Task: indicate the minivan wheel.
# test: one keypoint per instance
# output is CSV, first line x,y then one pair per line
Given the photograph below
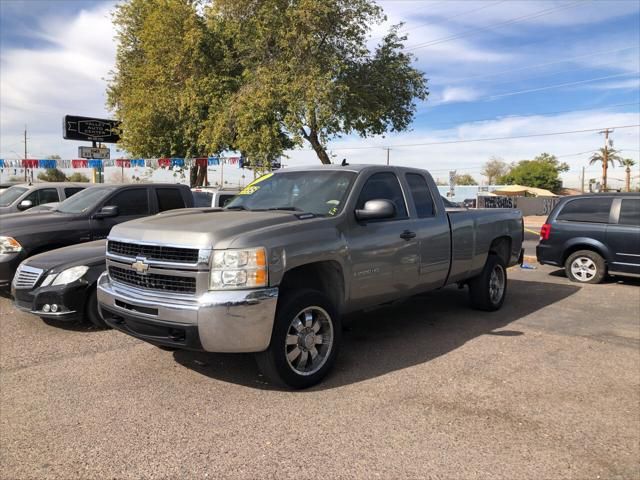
x,y
488,290
585,266
305,340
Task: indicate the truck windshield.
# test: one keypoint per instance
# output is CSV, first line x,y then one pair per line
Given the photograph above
x,y
85,200
10,195
315,191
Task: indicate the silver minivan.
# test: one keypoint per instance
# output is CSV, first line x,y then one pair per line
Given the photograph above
x,y
23,196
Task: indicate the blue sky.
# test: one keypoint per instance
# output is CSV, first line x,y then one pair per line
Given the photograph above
x,y
495,69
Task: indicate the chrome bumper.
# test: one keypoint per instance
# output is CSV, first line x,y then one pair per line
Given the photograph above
x,y
226,321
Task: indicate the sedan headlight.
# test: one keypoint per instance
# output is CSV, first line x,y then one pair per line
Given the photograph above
x,y
241,268
66,276
9,245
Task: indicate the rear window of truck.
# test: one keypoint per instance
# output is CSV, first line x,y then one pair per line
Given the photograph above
x,y
589,210
630,212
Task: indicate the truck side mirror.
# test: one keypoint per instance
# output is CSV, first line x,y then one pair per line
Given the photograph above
x,y
376,210
25,205
108,211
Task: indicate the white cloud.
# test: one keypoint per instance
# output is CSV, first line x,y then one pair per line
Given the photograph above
x,y
630,84
455,94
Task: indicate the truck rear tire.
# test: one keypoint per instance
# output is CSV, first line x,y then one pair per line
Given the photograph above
x,y
585,266
488,290
305,340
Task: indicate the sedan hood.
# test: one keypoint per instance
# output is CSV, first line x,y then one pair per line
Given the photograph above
x,y
199,228
90,254
15,224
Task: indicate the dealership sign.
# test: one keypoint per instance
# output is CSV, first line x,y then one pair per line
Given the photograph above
x,y
90,129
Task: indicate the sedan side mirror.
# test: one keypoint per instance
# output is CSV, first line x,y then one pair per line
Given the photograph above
x,y
25,205
108,211
376,210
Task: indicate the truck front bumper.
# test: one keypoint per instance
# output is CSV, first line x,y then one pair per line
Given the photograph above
x,y
217,321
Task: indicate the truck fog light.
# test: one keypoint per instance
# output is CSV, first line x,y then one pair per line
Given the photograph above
x,y
46,307
54,307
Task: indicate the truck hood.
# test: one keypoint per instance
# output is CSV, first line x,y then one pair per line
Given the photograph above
x,y
199,228
15,224
90,254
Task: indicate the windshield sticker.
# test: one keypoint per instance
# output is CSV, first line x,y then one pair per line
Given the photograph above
x,y
253,187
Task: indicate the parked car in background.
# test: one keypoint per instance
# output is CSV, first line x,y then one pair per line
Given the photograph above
x,y
470,202
23,196
593,235
208,197
272,272
88,215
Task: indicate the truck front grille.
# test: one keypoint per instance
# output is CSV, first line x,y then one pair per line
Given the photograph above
x,y
153,252
26,277
154,281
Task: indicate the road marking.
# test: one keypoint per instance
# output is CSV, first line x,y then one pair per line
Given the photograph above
x,y
532,231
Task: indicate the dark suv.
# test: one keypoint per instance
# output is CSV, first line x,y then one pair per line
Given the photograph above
x,y
592,235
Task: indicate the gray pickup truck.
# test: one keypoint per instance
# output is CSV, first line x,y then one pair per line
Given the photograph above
x,y
273,271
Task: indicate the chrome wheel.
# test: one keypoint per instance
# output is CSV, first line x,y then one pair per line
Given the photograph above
x,y
309,340
496,284
583,269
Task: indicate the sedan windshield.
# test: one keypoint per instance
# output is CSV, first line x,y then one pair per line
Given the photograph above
x,y
319,192
10,195
86,200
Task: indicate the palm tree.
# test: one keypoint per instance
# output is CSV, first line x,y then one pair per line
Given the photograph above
x,y
627,162
605,155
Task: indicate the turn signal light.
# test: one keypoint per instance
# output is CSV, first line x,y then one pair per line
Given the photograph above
x,y
545,231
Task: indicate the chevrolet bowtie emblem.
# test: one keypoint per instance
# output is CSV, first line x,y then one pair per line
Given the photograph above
x,y
140,266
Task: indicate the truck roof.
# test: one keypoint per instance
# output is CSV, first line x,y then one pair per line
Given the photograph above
x,y
351,167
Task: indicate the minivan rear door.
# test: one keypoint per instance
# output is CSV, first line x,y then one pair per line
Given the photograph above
x,y
623,235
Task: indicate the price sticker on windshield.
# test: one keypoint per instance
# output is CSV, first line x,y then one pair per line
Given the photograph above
x,y
253,187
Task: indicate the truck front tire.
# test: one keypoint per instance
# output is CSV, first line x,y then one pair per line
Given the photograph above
x,y
488,290
305,340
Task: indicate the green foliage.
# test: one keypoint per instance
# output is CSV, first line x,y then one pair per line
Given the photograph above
x,y
52,175
493,169
541,172
465,179
258,77
78,177
609,153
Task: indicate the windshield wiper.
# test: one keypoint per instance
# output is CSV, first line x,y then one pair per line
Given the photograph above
x,y
292,209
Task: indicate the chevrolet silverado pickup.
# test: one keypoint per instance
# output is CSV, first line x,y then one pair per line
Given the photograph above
x,y
273,271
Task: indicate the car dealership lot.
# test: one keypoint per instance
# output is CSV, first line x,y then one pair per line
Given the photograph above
x,y
548,387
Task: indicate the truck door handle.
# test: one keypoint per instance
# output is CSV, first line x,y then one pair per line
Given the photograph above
x,y
407,235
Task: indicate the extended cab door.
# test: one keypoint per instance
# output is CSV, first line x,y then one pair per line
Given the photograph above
x,y
433,232
623,235
384,253
132,203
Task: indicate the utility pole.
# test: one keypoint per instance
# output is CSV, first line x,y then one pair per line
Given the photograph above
x,y
582,181
388,150
605,157
25,153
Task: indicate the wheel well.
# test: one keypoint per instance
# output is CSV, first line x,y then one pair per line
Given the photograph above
x,y
574,248
326,277
501,247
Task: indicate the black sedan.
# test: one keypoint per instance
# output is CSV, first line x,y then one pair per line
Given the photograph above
x,y
61,284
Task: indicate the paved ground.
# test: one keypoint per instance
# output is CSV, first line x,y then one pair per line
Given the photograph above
x,y
548,388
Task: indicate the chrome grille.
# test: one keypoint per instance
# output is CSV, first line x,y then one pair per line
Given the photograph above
x,y
26,277
153,252
154,281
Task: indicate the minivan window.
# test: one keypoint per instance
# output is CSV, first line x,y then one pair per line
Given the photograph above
x,y
630,212
383,186
169,199
10,195
421,195
593,209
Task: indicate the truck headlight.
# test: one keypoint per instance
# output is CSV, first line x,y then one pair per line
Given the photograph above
x,y
66,276
238,268
9,245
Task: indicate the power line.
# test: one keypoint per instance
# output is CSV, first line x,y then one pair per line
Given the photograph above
x,y
466,33
471,140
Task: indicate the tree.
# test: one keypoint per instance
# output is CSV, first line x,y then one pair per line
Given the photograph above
x,y
465,179
54,157
78,177
494,168
627,163
256,77
52,175
605,155
541,172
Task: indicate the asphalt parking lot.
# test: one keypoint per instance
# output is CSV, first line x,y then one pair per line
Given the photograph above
x,y
547,388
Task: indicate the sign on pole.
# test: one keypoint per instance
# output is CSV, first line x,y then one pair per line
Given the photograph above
x,y
94,153
90,129
452,183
